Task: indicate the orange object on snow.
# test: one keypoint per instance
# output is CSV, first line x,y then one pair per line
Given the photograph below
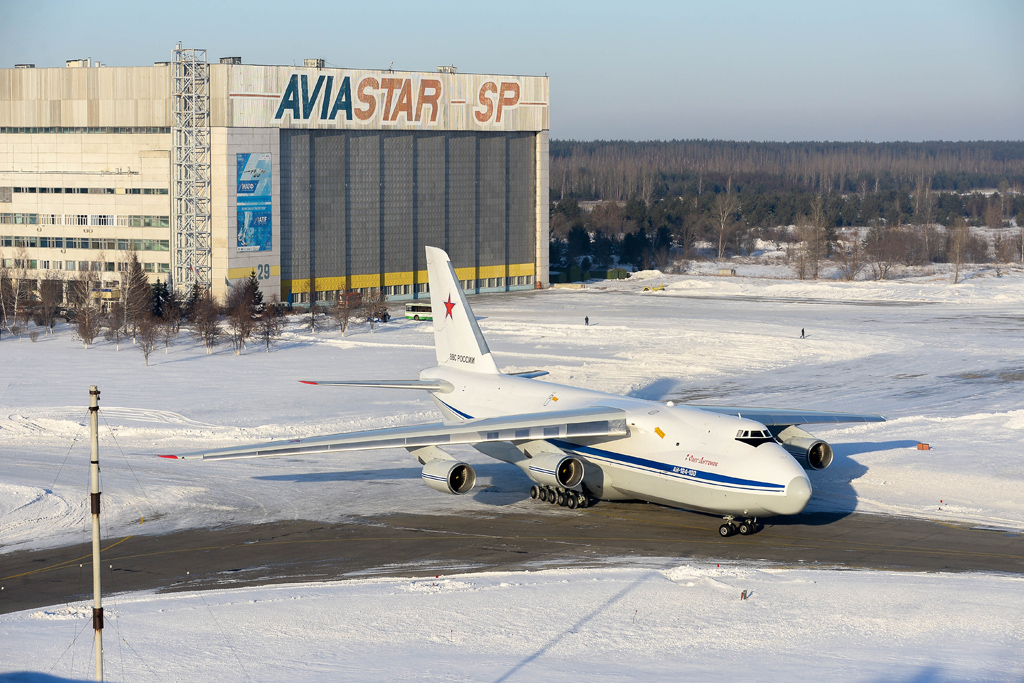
x,y
923,447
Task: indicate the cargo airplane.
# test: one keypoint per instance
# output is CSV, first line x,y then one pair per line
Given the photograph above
x,y
579,446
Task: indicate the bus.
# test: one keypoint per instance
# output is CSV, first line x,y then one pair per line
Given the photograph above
x,y
418,311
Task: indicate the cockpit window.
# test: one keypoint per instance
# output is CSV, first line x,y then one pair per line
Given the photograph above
x,y
754,437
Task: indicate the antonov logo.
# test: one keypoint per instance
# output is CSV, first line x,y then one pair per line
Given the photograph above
x,y
414,101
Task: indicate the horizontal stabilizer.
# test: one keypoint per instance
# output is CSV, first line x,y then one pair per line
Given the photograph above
x,y
770,417
529,374
596,421
428,384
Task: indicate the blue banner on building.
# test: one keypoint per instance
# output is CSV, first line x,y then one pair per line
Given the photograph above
x,y
254,202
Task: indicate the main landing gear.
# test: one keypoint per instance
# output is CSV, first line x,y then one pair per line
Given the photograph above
x,y
562,497
744,528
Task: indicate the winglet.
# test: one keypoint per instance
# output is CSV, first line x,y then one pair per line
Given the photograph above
x,y
172,457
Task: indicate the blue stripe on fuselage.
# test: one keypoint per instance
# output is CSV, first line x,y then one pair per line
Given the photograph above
x,y
466,416
666,469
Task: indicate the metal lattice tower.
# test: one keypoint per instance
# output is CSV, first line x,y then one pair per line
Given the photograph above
x,y
191,256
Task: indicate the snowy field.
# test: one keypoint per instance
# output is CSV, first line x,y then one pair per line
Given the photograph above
x,y
664,622
944,363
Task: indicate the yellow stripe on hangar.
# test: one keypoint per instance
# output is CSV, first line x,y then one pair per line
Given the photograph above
x,y
239,273
372,280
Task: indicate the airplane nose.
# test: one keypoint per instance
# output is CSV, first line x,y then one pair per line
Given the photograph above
x,y
798,492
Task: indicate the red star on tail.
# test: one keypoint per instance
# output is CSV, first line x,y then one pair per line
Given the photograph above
x,y
449,305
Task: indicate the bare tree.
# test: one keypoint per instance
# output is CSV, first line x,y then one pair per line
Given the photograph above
x,y
6,295
243,306
240,326
206,320
14,293
343,310
315,317
147,334
957,249
168,330
724,212
813,238
51,291
882,249
172,314
850,259
376,307
994,216
270,324
87,323
113,324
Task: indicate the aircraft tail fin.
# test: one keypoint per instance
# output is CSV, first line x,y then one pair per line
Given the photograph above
x,y
458,341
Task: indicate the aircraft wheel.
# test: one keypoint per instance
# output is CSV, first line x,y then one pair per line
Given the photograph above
x,y
745,528
542,494
560,499
553,497
725,530
535,492
572,502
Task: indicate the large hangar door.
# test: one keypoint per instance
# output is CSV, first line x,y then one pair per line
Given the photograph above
x,y
522,201
329,241
357,208
397,237
462,218
430,214
295,218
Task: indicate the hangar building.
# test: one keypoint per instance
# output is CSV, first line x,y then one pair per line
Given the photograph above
x,y
319,179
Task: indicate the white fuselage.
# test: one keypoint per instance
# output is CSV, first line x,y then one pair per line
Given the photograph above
x,y
673,455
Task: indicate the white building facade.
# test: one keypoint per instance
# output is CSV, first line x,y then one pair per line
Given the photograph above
x,y
317,179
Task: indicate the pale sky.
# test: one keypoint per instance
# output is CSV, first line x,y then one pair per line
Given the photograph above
x,y
864,70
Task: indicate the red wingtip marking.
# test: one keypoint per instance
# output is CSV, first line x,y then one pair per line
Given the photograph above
x,y
173,457
302,381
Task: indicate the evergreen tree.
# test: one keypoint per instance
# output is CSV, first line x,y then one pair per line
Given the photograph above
x,y
253,295
159,296
136,294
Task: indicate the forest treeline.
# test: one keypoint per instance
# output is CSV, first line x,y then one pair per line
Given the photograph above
x,y
647,204
621,169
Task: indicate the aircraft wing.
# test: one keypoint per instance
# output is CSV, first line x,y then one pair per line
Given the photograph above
x,y
770,417
594,421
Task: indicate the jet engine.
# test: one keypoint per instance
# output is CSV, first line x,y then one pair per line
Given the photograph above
x,y
553,469
812,452
449,476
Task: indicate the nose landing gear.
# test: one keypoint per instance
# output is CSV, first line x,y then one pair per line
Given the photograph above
x,y
562,497
744,528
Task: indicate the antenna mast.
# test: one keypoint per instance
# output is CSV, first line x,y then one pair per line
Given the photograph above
x,y
94,470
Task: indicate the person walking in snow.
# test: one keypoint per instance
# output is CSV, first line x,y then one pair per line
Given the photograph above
x,y
586,320
802,335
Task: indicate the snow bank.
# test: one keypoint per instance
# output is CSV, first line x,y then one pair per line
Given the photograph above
x,y
661,622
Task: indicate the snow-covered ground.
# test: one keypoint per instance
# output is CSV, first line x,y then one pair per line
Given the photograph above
x,y
667,621
942,362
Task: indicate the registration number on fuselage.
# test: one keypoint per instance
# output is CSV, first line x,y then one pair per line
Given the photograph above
x,y
685,471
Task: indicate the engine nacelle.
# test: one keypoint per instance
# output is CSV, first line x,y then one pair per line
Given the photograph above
x,y
812,452
449,476
552,469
